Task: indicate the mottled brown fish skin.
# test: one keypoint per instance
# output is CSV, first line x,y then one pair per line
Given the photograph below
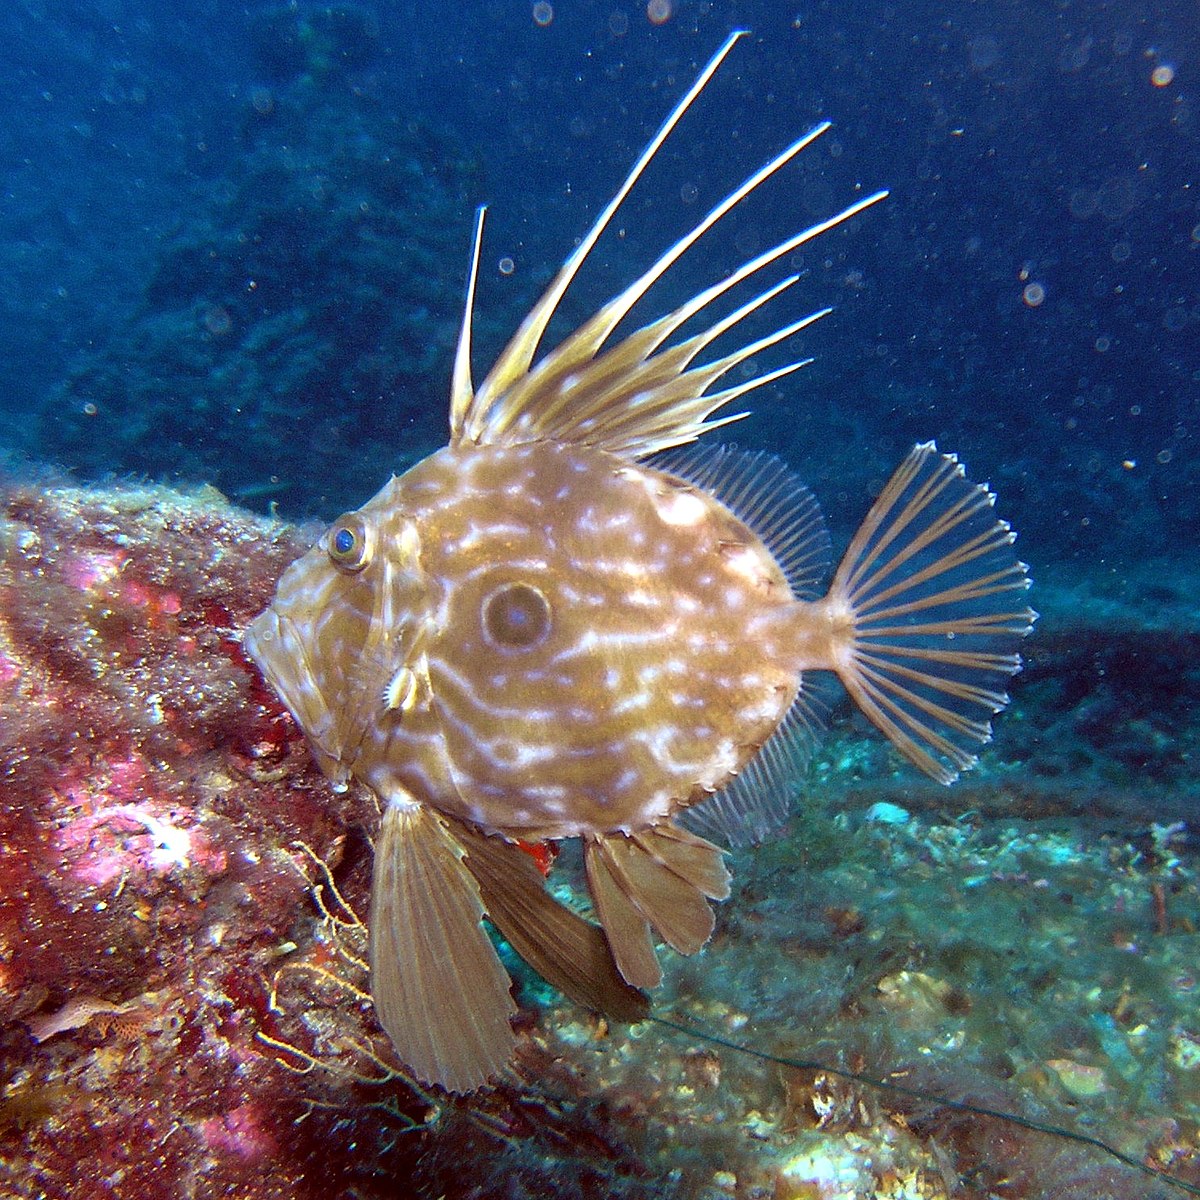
x,y
643,669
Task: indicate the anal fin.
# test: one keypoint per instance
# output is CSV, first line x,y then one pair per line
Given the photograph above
x,y
439,988
659,878
567,951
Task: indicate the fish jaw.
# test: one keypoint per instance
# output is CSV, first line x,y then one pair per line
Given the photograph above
x,y
275,644
339,643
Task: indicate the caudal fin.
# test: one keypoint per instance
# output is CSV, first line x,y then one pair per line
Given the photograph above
x,y
929,600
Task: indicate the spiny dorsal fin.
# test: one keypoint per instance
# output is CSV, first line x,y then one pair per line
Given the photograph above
x,y
639,395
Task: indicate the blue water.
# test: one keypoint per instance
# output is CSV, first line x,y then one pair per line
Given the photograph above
x,y
1024,145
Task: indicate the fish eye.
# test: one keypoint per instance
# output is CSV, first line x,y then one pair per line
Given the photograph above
x,y
349,543
516,616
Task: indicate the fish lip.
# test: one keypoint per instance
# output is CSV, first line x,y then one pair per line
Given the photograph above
x,y
275,644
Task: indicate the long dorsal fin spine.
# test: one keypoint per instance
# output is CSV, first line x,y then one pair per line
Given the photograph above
x,y
514,360
587,340
462,390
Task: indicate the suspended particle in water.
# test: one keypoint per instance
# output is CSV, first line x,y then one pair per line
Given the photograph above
x,y
1034,294
618,24
89,409
1103,343
543,13
658,11
688,193
217,320
1162,75
1163,457
506,265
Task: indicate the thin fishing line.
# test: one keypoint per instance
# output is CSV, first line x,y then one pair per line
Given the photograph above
x,y
978,1110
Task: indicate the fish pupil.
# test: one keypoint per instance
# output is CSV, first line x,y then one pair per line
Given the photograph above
x,y
343,541
516,615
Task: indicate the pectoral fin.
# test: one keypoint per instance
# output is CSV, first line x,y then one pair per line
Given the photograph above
x,y
440,990
567,951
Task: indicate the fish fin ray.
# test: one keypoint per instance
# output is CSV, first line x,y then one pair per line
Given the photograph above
x,y
932,584
627,930
568,952
440,990
758,800
639,395
655,874
514,361
762,492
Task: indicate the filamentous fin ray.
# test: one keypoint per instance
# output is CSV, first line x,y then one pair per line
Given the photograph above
x,y
514,360
927,597
579,393
440,990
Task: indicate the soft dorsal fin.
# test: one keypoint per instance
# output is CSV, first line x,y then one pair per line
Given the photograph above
x,y
766,495
639,395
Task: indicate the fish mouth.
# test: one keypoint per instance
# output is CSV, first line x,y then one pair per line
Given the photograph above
x,y
277,647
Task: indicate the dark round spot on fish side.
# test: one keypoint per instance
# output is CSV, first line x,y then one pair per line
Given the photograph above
x,y
516,615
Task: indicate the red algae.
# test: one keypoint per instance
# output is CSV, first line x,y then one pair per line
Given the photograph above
x,y
152,790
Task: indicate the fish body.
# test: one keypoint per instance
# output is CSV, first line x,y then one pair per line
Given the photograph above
x,y
553,629
572,643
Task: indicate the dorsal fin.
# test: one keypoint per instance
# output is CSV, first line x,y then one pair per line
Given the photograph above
x,y
766,495
639,395
753,806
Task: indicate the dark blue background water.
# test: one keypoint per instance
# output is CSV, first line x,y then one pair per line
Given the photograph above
x,y
1023,143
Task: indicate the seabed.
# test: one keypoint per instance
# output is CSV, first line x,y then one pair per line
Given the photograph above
x,y
182,997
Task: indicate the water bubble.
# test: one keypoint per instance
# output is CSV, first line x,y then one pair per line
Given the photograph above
x,y
1162,75
89,409
983,51
688,193
1083,203
1163,457
543,13
1103,344
217,320
506,265
1121,251
618,24
1034,294
658,11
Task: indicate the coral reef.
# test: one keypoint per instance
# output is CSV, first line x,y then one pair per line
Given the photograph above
x,y
304,308
183,1004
